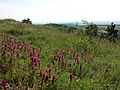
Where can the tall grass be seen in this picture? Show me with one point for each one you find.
(45, 57)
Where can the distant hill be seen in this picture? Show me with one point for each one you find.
(106, 22)
(96, 22)
(8, 20)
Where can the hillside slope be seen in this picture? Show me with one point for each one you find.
(83, 64)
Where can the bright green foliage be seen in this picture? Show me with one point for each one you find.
(49, 58)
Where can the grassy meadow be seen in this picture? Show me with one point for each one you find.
(47, 57)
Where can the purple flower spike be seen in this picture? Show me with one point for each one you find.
(58, 73)
(25, 47)
(4, 83)
(3, 67)
(56, 51)
(3, 53)
(32, 66)
(11, 59)
(18, 54)
(5, 45)
(53, 79)
(48, 70)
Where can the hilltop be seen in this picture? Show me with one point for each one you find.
(52, 57)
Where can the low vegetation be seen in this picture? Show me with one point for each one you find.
(46, 57)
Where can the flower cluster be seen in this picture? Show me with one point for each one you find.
(23, 66)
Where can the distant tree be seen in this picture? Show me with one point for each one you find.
(112, 33)
(91, 29)
(27, 21)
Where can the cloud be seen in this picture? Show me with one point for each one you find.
(60, 10)
(17, 2)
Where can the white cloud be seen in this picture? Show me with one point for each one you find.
(61, 10)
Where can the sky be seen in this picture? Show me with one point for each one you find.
(56, 11)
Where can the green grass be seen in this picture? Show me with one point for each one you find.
(101, 64)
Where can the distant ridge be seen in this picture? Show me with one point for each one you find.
(106, 22)
(8, 20)
(95, 22)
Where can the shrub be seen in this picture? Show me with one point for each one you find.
(27, 21)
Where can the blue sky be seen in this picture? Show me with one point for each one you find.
(46, 11)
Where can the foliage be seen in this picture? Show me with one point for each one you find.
(112, 33)
(44, 57)
(91, 29)
(27, 21)
(7, 20)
